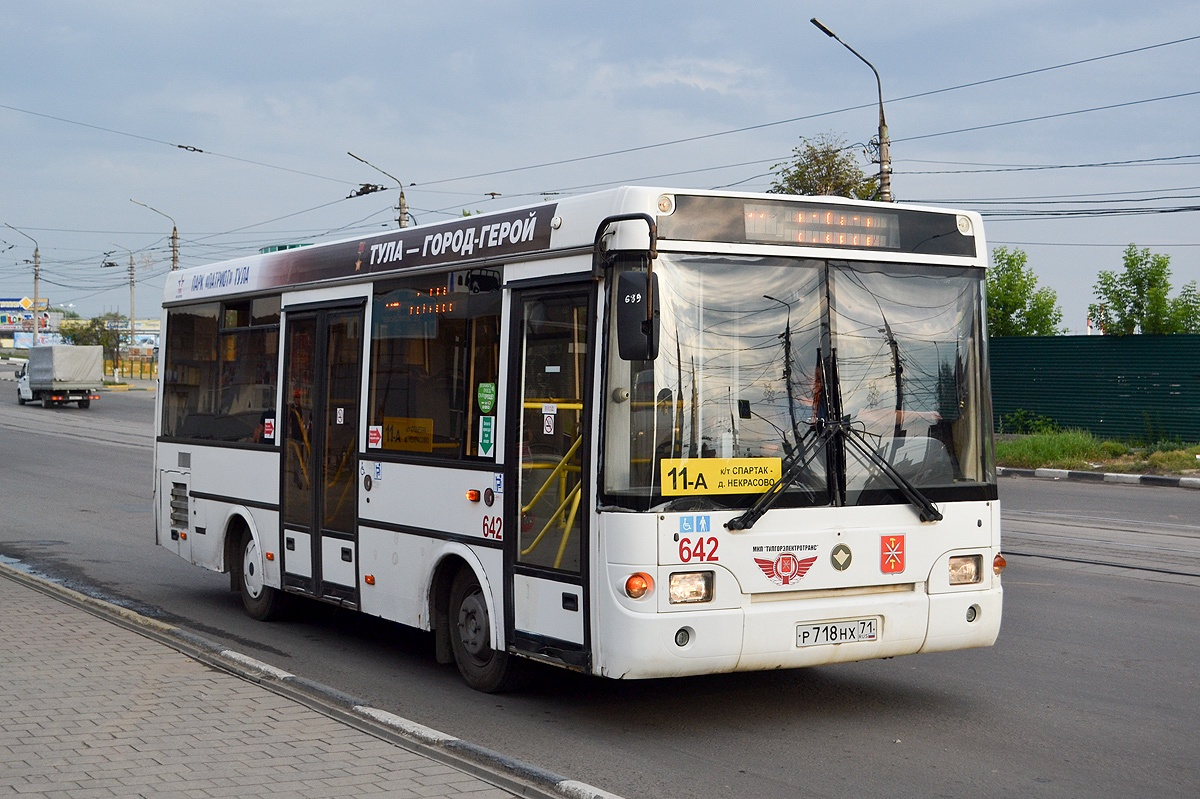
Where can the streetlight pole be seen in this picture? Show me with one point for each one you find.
(174, 234)
(37, 271)
(401, 204)
(885, 158)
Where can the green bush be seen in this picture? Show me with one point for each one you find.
(1113, 449)
(1023, 422)
(1165, 445)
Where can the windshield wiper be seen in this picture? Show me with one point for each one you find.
(926, 509)
(795, 463)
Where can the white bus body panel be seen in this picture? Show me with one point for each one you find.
(752, 621)
(298, 549)
(541, 606)
(222, 484)
(431, 504)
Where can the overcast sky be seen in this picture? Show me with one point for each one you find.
(235, 118)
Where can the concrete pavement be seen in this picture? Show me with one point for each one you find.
(109, 706)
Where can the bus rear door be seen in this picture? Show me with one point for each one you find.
(322, 377)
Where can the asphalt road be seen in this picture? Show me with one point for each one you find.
(1093, 689)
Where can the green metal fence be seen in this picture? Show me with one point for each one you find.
(1127, 387)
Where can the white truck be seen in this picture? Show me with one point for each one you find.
(61, 373)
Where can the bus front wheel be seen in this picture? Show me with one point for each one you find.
(261, 601)
(482, 667)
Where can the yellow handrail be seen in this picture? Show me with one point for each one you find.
(573, 498)
(560, 467)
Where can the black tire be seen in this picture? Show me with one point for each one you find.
(20, 400)
(85, 404)
(261, 601)
(482, 667)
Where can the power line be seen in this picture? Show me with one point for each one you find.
(185, 147)
(1049, 116)
(1122, 245)
(748, 128)
(1040, 167)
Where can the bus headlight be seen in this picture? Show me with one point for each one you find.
(966, 569)
(688, 587)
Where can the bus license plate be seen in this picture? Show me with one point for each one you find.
(837, 632)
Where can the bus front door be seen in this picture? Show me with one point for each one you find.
(547, 559)
(322, 376)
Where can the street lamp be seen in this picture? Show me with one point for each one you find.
(37, 271)
(402, 214)
(885, 159)
(174, 234)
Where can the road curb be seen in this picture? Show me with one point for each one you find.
(1102, 477)
(518, 777)
(121, 387)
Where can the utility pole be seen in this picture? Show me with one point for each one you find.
(885, 157)
(787, 370)
(131, 314)
(401, 204)
(131, 290)
(37, 270)
(174, 234)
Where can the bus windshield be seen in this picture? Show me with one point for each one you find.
(756, 355)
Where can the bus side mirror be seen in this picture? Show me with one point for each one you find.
(637, 316)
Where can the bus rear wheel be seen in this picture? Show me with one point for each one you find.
(261, 601)
(482, 667)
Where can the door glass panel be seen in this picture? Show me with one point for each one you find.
(341, 422)
(553, 369)
(297, 425)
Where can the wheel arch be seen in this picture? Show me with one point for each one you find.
(452, 560)
(238, 522)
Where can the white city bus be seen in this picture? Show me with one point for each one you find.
(637, 433)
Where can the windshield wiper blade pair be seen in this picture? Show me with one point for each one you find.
(796, 462)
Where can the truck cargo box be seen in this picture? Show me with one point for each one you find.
(63, 366)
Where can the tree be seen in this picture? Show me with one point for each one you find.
(96, 331)
(1016, 306)
(823, 165)
(1185, 310)
(1137, 300)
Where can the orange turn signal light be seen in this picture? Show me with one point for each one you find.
(183, 536)
(369, 579)
(999, 564)
(270, 556)
(473, 494)
(638, 585)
